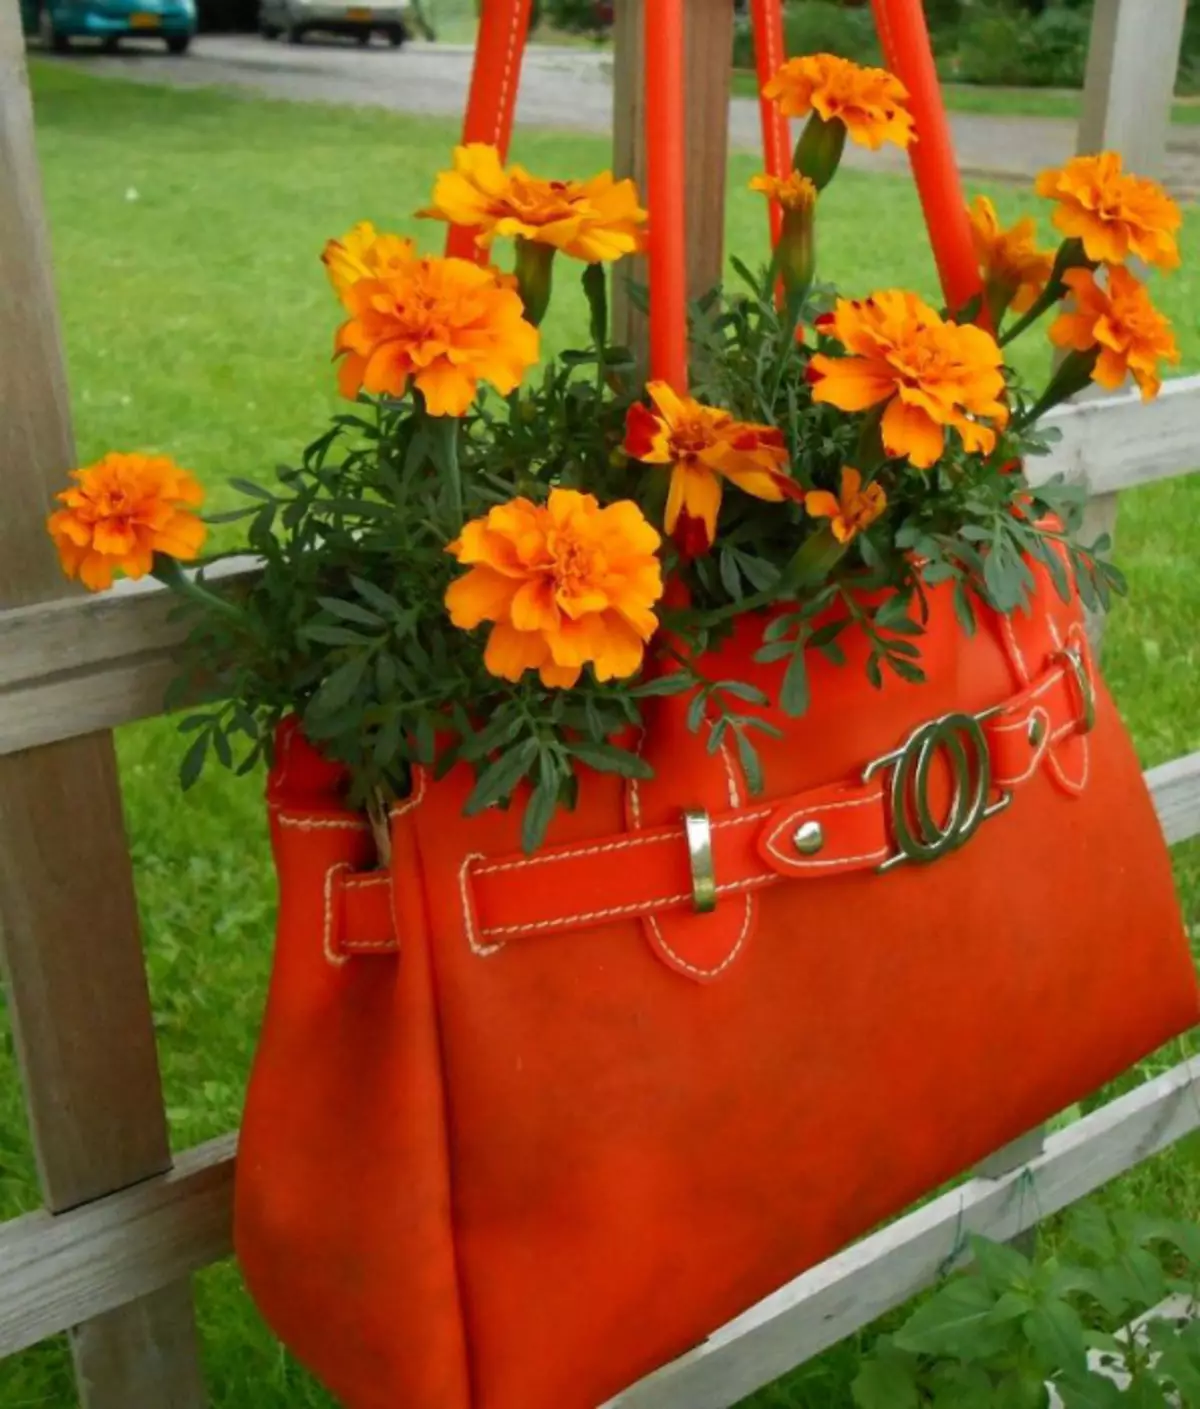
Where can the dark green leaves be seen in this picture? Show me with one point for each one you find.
(497, 781)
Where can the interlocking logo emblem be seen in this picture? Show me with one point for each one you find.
(959, 741)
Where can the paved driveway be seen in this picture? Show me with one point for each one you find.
(565, 88)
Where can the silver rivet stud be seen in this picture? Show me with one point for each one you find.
(809, 838)
(1037, 730)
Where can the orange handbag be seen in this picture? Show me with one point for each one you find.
(522, 1128)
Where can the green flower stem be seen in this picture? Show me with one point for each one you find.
(447, 429)
(869, 455)
(1070, 256)
(595, 288)
(170, 573)
(1074, 373)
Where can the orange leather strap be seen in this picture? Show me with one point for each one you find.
(869, 822)
(492, 101)
(907, 52)
(770, 52)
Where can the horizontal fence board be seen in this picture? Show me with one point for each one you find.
(72, 666)
(57, 1270)
(1121, 442)
(852, 1289)
(1175, 787)
(97, 662)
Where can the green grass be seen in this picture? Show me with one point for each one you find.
(1004, 102)
(186, 228)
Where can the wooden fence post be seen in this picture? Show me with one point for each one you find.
(1133, 58)
(708, 69)
(68, 916)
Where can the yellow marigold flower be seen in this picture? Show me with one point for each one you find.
(445, 323)
(704, 446)
(929, 374)
(796, 192)
(1119, 322)
(593, 220)
(871, 103)
(1014, 270)
(120, 512)
(566, 584)
(852, 509)
(1115, 215)
(363, 253)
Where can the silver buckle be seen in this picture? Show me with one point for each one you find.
(698, 830)
(1083, 681)
(920, 836)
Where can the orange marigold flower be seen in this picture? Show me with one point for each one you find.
(1014, 270)
(363, 253)
(591, 220)
(929, 374)
(445, 323)
(852, 509)
(704, 446)
(120, 512)
(1115, 215)
(1120, 321)
(566, 583)
(871, 103)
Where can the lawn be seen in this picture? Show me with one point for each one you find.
(186, 228)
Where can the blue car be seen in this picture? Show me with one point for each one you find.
(58, 22)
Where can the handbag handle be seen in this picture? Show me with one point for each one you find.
(492, 98)
(907, 51)
(904, 36)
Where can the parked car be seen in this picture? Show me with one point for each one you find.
(58, 22)
(295, 18)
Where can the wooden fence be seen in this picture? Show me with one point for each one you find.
(124, 1226)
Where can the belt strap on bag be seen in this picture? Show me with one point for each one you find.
(879, 819)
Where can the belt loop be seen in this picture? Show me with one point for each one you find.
(408, 887)
(700, 856)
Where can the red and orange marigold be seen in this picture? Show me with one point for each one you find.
(871, 102)
(1121, 324)
(594, 220)
(926, 373)
(704, 446)
(566, 584)
(851, 509)
(445, 324)
(120, 512)
(1114, 214)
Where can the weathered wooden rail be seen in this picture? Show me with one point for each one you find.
(124, 1225)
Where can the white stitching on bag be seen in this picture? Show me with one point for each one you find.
(307, 823)
(509, 60)
(334, 959)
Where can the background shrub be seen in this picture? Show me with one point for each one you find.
(1002, 45)
(816, 27)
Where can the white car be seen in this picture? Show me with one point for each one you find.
(294, 19)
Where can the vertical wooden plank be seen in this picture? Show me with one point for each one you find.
(68, 916)
(133, 1356)
(1133, 59)
(708, 68)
